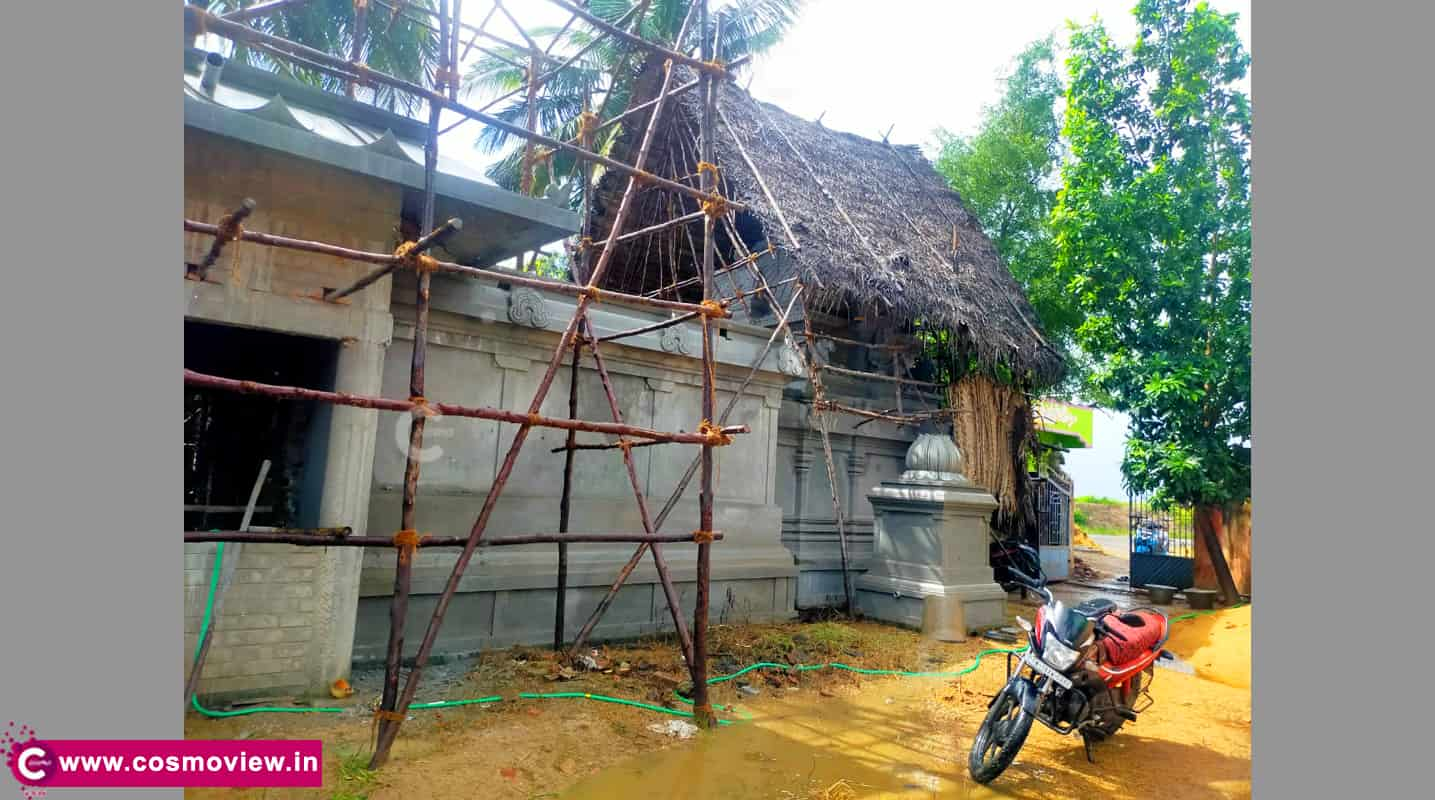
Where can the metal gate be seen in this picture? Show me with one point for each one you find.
(1162, 544)
(1053, 514)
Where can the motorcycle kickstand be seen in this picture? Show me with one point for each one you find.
(1086, 742)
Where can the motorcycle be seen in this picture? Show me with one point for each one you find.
(1085, 670)
(1002, 553)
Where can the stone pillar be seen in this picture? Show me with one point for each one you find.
(931, 539)
(348, 474)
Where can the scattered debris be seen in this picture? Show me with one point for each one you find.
(998, 635)
(750, 691)
(340, 689)
(1082, 571)
(674, 727)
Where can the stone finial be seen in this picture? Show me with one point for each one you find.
(934, 457)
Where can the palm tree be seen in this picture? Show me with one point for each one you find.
(404, 45)
(749, 27)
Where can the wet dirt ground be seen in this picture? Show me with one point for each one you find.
(824, 734)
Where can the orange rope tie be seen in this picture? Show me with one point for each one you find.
(712, 308)
(706, 166)
(391, 716)
(407, 541)
(713, 434)
(535, 421)
(587, 124)
(703, 537)
(585, 243)
(594, 293)
(229, 229)
(425, 263)
(715, 205)
(421, 407)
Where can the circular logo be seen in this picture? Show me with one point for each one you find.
(33, 763)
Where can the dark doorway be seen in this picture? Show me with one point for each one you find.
(227, 435)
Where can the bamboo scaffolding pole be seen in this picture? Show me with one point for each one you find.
(913, 418)
(493, 37)
(896, 348)
(403, 569)
(636, 558)
(670, 593)
(676, 57)
(492, 274)
(260, 10)
(686, 218)
(410, 688)
(702, 709)
(310, 539)
(812, 173)
(193, 378)
(822, 425)
(565, 501)
(656, 326)
(472, 40)
(423, 243)
(229, 229)
(361, 29)
(286, 48)
(877, 376)
(531, 85)
(761, 183)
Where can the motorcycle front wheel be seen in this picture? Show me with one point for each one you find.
(999, 738)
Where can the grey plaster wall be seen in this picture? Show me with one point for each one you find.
(863, 456)
(490, 346)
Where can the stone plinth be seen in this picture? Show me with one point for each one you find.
(930, 540)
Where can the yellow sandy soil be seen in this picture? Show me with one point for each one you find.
(1217, 645)
(835, 736)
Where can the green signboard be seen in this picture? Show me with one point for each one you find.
(1064, 425)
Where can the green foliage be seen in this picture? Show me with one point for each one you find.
(748, 27)
(355, 777)
(1153, 239)
(407, 49)
(1100, 501)
(1006, 175)
(1080, 517)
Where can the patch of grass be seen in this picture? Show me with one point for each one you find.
(773, 646)
(356, 777)
(829, 638)
(1080, 518)
(1101, 501)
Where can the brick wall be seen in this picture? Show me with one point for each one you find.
(272, 635)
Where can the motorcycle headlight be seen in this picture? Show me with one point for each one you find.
(1057, 654)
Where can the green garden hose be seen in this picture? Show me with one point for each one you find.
(214, 582)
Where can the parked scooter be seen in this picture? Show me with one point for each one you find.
(1150, 538)
(1085, 671)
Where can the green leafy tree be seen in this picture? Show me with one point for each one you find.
(1006, 174)
(1153, 236)
(748, 27)
(404, 45)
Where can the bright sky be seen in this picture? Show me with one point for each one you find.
(913, 64)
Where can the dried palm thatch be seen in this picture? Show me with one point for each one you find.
(995, 439)
(877, 227)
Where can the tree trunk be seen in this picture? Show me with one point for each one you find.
(1210, 525)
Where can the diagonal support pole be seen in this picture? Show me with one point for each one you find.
(389, 731)
(659, 563)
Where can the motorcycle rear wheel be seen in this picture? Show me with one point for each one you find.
(1000, 737)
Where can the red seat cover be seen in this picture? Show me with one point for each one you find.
(1139, 640)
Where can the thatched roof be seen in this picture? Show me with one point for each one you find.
(872, 220)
